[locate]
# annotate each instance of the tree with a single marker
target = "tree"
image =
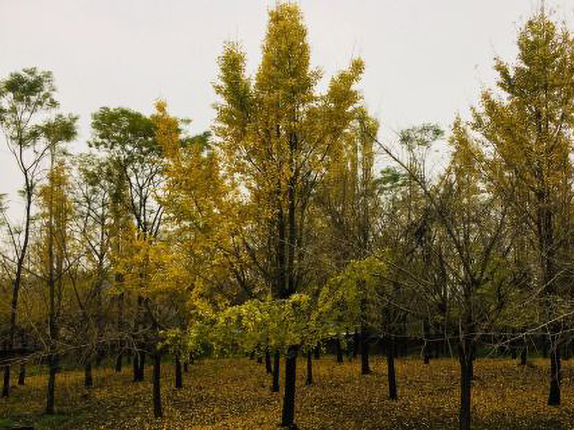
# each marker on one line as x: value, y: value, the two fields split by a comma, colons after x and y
x: 57, y: 214
x: 127, y: 139
x: 25, y: 99
x: 528, y: 130
x: 277, y: 136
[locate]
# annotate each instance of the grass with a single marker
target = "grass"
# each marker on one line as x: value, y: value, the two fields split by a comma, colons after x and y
x: 234, y: 394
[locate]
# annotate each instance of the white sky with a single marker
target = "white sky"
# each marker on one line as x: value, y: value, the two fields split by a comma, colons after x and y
x: 426, y: 59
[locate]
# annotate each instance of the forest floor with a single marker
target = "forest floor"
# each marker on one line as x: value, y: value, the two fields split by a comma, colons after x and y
x: 234, y: 394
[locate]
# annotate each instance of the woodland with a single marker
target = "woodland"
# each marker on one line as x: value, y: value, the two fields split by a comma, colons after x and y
x: 289, y: 268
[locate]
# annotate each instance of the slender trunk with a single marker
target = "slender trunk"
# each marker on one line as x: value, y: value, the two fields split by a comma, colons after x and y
x: 6, y: 386
x: 119, y: 362
x: 268, y: 367
x: 309, y: 380
x: 22, y: 375
x: 523, y: 356
x: 141, y: 366
x: 365, y: 368
x: 288, y: 415
x: 391, y: 375
x: 29, y: 187
x: 52, y: 325
x: 135, y: 366
x: 426, y: 347
x: 157, y: 410
x: 178, y: 375
x: 186, y: 367
x: 88, y: 380
x: 191, y: 358
x: 355, y: 344
x: 276, y: 361
x: 52, y: 370
x: 466, y: 371
x: 555, y: 376
x: 339, y: 351
x: 259, y: 359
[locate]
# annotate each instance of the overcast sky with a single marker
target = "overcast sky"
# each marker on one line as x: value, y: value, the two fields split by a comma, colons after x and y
x: 426, y: 60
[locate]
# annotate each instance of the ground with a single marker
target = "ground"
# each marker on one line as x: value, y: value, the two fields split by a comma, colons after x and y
x: 234, y: 394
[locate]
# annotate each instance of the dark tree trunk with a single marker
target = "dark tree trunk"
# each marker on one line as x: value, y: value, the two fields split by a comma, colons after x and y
x: 268, y: 367
x: 523, y: 356
x: 141, y: 366
x: 6, y: 386
x: 135, y: 366
x: 317, y: 352
x: 88, y: 380
x: 22, y: 375
x: 119, y: 362
x: 309, y: 380
x: 52, y: 370
x: 259, y: 359
x: 275, y: 378
x: 426, y: 346
x: 391, y: 375
x: 288, y: 415
x: 513, y: 352
x: 355, y: 344
x: 466, y: 372
x: 191, y: 358
x: 186, y: 367
x: 178, y: 375
x: 365, y: 368
x: 555, y: 377
x: 157, y: 410
x: 339, y: 350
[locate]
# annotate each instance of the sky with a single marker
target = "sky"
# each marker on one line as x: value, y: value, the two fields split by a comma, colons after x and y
x: 426, y: 60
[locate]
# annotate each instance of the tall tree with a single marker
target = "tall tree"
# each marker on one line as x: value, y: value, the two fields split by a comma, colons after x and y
x: 528, y: 128
x: 26, y: 98
x: 277, y: 135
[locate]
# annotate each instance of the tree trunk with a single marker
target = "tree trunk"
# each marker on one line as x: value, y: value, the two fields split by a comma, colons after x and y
x: 88, y: 380
x: 466, y: 371
x: 119, y: 362
x: 309, y: 380
x: 186, y: 367
x: 339, y: 350
x: 135, y: 366
x: 22, y: 375
x: 141, y: 366
x: 365, y: 368
x: 178, y: 375
x: 275, y: 378
x: 317, y: 352
x: 355, y: 344
x: 268, y: 367
x: 555, y: 376
x: 259, y: 359
x: 523, y: 356
x: 6, y: 386
x: 391, y: 375
x: 288, y: 415
x: 157, y: 410
x: 426, y: 346
x: 52, y: 370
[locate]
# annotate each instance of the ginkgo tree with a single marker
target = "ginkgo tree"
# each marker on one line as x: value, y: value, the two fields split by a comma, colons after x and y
x: 277, y: 135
